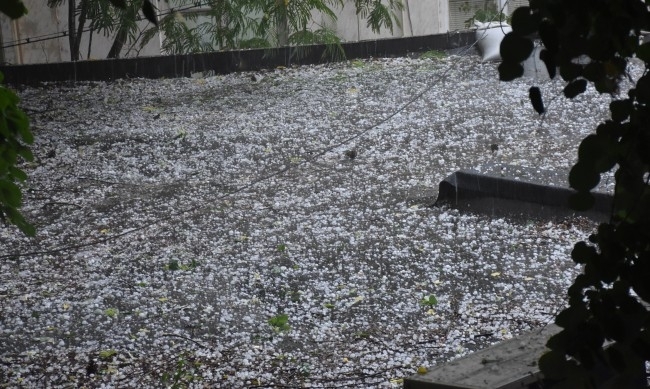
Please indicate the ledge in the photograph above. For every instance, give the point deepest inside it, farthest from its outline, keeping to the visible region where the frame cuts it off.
(529, 193)
(223, 62)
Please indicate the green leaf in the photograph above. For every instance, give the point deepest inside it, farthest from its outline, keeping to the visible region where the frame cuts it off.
(429, 300)
(173, 265)
(583, 177)
(570, 71)
(21, 122)
(620, 110)
(280, 322)
(10, 194)
(549, 60)
(642, 90)
(13, 8)
(515, 48)
(119, 3)
(598, 151)
(595, 71)
(583, 253)
(553, 365)
(535, 96)
(26, 153)
(107, 354)
(509, 71)
(548, 34)
(591, 148)
(581, 201)
(17, 173)
(643, 52)
(575, 88)
(524, 22)
(572, 317)
(606, 85)
(149, 12)
(18, 220)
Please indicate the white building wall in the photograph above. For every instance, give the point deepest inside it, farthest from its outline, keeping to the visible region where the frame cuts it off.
(425, 17)
(45, 27)
(419, 17)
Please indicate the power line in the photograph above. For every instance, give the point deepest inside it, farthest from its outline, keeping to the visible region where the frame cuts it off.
(266, 177)
(259, 180)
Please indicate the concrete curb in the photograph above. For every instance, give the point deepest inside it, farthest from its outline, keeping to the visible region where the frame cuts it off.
(509, 196)
(223, 62)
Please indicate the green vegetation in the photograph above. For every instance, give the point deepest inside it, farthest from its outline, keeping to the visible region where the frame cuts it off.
(280, 322)
(485, 14)
(174, 265)
(357, 63)
(15, 136)
(107, 355)
(185, 373)
(591, 42)
(429, 301)
(433, 54)
(191, 27)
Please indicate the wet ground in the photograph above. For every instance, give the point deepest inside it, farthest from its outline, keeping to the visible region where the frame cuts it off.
(267, 228)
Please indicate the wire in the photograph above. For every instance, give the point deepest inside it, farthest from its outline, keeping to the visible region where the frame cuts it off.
(277, 173)
(266, 177)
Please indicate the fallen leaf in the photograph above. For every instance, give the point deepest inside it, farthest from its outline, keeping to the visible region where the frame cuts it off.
(495, 274)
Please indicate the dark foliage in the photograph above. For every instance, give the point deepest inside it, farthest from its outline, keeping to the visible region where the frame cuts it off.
(605, 337)
(14, 138)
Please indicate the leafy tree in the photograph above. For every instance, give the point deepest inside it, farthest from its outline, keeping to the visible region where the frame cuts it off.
(378, 14)
(216, 24)
(101, 16)
(591, 41)
(13, 8)
(15, 137)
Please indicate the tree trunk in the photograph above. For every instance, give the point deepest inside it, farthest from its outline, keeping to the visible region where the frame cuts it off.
(72, 23)
(282, 24)
(80, 28)
(118, 43)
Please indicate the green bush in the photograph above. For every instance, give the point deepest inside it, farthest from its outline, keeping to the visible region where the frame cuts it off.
(14, 138)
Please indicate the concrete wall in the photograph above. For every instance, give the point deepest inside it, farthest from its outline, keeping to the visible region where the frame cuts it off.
(419, 17)
(45, 27)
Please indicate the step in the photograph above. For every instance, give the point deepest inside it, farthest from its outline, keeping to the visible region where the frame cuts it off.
(506, 190)
(505, 365)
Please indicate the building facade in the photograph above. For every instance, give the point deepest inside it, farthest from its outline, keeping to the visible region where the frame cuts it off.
(43, 36)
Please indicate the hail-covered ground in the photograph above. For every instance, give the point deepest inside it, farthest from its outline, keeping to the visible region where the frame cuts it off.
(274, 229)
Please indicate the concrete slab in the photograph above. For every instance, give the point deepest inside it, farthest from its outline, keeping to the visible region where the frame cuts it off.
(505, 190)
(506, 365)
